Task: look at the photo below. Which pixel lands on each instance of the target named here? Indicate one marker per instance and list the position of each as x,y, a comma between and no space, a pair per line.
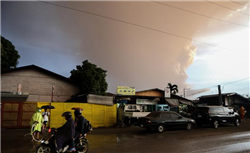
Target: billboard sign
124,90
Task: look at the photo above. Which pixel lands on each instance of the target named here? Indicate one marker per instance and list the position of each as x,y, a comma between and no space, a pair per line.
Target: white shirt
46,116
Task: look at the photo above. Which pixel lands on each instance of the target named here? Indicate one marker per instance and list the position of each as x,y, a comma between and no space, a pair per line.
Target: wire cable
233,82
133,24
219,5
222,84
241,4
192,12
137,25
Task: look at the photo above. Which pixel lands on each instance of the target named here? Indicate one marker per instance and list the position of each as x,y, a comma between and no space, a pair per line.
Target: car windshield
154,114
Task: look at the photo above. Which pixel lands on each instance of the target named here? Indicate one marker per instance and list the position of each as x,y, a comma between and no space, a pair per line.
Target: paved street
226,139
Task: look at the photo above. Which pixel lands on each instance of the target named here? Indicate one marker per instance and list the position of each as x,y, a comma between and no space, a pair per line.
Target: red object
49,130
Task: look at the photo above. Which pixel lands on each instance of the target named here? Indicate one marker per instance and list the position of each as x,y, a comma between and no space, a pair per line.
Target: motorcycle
49,145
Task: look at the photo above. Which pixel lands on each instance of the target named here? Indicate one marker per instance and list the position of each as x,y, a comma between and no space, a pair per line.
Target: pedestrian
37,123
120,115
46,115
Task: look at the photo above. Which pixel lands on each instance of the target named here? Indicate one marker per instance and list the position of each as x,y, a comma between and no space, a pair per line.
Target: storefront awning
173,102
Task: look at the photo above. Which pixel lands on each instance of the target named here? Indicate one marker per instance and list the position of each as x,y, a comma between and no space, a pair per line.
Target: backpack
87,126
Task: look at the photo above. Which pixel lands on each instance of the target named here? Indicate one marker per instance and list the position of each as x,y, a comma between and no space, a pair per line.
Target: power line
223,84
237,81
214,3
118,20
130,23
244,89
237,3
134,24
201,90
192,12
240,90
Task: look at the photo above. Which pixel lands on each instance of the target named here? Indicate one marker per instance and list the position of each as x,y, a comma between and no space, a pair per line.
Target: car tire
237,122
189,126
160,128
215,124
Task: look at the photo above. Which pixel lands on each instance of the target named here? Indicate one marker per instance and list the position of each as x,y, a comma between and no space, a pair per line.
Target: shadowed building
228,99
35,84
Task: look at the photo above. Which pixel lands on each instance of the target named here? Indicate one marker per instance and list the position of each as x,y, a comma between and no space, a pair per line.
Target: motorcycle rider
81,124
65,134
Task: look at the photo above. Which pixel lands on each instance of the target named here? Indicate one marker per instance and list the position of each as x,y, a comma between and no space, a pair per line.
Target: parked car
162,120
216,115
133,112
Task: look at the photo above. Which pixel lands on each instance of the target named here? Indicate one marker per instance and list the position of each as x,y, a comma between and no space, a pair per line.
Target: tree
173,88
9,55
89,78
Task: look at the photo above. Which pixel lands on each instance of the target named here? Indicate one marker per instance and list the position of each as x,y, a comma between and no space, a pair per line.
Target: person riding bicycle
65,134
37,123
82,125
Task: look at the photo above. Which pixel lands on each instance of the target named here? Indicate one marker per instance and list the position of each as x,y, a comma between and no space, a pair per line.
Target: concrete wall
98,115
38,85
18,115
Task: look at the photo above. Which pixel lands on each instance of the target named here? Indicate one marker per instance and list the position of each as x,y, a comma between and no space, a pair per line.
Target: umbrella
47,107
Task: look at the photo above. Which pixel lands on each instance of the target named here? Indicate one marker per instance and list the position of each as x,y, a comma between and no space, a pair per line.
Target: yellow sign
124,90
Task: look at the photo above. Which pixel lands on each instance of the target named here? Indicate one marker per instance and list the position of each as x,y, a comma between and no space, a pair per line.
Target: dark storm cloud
132,55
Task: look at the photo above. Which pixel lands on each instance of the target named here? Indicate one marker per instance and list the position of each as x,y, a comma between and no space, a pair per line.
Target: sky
196,45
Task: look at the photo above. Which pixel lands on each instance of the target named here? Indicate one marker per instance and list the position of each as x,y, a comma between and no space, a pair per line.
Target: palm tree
173,88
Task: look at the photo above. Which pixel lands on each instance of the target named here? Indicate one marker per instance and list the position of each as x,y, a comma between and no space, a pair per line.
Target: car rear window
166,115
174,116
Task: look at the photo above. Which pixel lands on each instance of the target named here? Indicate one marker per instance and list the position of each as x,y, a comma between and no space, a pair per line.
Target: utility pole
220,96
52,93
184,91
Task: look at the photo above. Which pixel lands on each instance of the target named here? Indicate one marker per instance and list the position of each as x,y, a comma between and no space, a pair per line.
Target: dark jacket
67,130
80,124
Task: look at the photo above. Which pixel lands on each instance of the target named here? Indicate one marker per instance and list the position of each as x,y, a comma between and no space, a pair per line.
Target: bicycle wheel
33,133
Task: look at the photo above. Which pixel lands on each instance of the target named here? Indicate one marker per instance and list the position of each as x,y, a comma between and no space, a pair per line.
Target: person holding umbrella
46,114
45,117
